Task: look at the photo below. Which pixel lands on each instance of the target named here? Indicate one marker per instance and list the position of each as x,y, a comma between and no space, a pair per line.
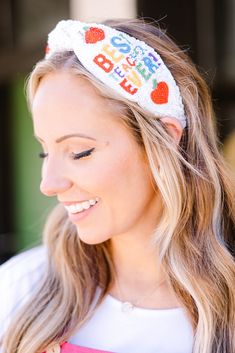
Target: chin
91,239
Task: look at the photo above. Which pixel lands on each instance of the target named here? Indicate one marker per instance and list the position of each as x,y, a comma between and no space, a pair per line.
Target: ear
174,127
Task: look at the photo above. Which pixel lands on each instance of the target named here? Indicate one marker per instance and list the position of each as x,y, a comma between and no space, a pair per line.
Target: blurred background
206,28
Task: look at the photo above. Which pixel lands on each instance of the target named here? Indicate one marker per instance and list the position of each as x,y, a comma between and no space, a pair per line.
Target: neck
136,262
138,268
138,273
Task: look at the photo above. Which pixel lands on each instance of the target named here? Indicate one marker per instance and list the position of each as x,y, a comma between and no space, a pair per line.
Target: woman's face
90,155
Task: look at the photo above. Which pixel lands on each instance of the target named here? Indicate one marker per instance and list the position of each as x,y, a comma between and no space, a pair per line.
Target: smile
81,206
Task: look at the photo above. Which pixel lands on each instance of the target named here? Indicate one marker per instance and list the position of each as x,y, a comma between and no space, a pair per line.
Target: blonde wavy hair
195,233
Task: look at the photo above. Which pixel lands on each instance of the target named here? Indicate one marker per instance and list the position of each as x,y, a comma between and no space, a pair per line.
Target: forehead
70,89
68,103
67,100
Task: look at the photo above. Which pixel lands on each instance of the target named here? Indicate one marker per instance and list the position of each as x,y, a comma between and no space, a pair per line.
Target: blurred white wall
95,10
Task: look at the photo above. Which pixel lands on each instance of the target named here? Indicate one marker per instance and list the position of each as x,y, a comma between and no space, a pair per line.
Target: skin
116,172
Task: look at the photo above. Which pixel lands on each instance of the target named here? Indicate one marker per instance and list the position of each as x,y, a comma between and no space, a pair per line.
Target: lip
75,217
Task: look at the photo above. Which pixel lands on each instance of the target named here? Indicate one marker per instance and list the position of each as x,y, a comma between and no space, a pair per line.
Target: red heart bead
47,49
160,94
94,35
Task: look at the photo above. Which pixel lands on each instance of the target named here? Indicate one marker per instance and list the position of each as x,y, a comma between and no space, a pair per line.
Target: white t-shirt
136,331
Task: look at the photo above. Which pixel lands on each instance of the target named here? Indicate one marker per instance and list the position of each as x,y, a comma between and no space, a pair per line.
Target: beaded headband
129,66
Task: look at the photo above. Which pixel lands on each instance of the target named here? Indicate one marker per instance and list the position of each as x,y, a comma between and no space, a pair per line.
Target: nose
53,181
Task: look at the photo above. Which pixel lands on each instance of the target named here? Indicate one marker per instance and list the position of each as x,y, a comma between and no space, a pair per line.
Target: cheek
124,179
104,170
125,188
103,176
126,196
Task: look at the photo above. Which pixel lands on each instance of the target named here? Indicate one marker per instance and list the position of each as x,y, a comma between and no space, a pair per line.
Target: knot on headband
129,66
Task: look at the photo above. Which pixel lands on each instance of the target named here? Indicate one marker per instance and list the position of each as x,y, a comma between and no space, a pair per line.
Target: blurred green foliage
30,206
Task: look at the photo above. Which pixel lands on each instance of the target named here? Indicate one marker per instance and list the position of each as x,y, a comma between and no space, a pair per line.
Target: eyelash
75,155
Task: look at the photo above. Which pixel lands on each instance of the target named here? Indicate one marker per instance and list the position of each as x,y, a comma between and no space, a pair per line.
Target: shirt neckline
116,302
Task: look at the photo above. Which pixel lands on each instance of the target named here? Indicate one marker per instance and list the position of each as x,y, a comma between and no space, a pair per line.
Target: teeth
92,202
86,205
81,206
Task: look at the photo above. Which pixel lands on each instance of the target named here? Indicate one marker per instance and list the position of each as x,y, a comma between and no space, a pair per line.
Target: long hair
194,234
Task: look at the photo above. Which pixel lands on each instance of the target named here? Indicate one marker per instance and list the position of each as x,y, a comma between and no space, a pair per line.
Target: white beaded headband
129,66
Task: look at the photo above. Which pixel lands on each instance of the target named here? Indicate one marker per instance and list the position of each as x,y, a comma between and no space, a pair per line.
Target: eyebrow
65,137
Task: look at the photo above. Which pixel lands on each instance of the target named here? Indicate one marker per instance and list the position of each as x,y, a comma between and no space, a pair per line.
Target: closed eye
82,154
74,155
42,155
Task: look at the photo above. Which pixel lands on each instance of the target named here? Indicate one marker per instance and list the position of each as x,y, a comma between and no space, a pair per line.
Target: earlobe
174,127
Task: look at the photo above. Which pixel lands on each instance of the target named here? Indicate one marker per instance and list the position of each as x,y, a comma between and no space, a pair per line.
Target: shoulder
22,264
19,276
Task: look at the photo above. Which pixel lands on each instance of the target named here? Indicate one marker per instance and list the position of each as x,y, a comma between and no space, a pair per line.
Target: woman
138,255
